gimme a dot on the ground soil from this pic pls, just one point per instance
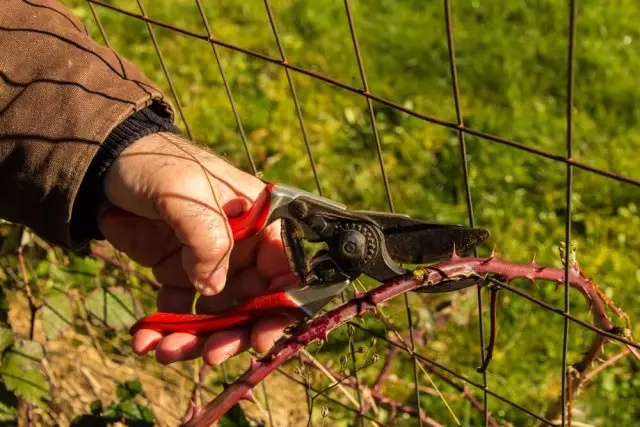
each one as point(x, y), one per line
point(80, 371)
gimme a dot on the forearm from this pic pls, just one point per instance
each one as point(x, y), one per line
point(61, 95)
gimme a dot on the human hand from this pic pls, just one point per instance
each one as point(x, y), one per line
point(172, 201)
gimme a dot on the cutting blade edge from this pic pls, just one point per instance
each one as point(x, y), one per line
point(312, 298)
point(413, 245)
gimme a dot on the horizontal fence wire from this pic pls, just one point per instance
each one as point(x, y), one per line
point(561, 312)
point(387, 189)
point(483, 135)
point(461, 131)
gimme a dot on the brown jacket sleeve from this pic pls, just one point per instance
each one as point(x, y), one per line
point(60, 96)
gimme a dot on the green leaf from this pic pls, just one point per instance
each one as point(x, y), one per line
point(27, 353)
point(128, 390)
point(81, 273)
point(96, 407)
point(4, 307)
point(7, 413)
point(137, 415)
point(112, 413)
point(10, 242)
point(28, 383)
point(88, 420)
point(6, 338)
point(42, 268)
point(86, 265)
point(57, 274)
point(113, 306)
point(57, 314)
point(21, 374)
point(235, 417)
point(8, 404)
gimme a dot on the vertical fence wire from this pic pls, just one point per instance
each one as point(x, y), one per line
point(303, 130)
point(569, 191)
point(294, 96)
point(245, 144)
point(376, 137)
point(96, 18)
point(165, 70)
point(372, 118)
point(352, 350)
point(103, 34)
point(307, 391)
point(227, 88)
point(467, 188)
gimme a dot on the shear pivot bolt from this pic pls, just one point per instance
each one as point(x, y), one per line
point(349, 247)
point(352, 246)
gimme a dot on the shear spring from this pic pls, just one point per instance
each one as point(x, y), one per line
point(292, 239)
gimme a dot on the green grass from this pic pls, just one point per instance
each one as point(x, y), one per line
point(512, 62)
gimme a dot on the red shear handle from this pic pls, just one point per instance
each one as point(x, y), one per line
point(277, 303)
point(252, 221)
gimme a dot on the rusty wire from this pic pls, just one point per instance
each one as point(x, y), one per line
point(461, 131)
point(569, 205)
point(428, 118)
point(467, 189)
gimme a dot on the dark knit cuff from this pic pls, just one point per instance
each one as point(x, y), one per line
point(84, 226)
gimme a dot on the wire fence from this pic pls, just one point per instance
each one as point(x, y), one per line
point(462, 131)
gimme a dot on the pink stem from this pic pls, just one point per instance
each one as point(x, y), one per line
point(319, 328)
point(604, 365)
point(382, 398)
point(386, 368)
point(33, 308)
point(197, 385)
point(577, 377)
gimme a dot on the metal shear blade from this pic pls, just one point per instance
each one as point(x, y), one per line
point(313, 298)
point(412, 241)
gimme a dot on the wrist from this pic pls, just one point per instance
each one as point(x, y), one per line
point(139, 125)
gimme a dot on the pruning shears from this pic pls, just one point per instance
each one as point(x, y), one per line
point(375, 244)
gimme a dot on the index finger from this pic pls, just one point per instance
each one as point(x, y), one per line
point(200, 224)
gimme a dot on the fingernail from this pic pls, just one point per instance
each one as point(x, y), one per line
point(218, 279)
point(216, 361)
point(225, 357)
point(214, 284)
point(164, 359)
point(203, 288)
point(150, 345)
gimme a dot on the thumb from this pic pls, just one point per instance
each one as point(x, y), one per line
point(202, 226)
